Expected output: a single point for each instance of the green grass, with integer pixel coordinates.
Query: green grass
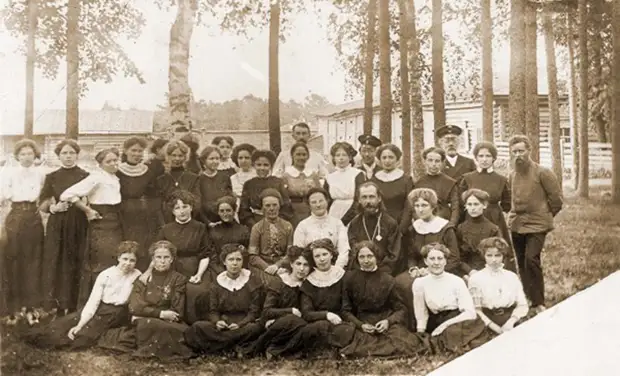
(581, 251)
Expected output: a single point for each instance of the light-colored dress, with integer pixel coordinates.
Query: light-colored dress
(342, 184)
(314, 228)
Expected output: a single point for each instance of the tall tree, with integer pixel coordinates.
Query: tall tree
(31, 56)
(405, 41)
(369, 59)
(584, 168)
(385, 73)
(573, 100)
(486, 26)
(179, 90)
(516, 100)
(596, 64)
(439, 106)
(73, 71)
(554, 108)
(615, 131)
(275, 141)
(532, 105)
(415, 72)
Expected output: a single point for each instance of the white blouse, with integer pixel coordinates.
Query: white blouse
(101, 188)
(437, 293)
(314, 228)
(342, 190)
(111, 287)
(315, 163)
(238, 180)
(233, 284)
(22, 183)
(498, 289)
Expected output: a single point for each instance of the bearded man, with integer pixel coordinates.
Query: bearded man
(456, 165)
(373, 223)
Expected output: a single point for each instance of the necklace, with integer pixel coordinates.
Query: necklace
(376, 232)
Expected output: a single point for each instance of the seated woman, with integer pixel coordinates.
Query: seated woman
(371, 303)
(225, 231)
(157, 304)
(106, 307)
(281, 312)
(234, 304)
(193, 247)
(442, 304)
(269, 238)
(497, 293)
(321, 301)
(427, 228)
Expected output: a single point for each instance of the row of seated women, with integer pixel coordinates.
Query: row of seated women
(314, 305)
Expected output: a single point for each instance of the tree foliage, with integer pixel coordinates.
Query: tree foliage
(102, 24)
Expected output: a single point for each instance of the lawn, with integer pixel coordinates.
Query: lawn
(582, 250)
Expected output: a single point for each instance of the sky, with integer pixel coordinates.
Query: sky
(222, 67)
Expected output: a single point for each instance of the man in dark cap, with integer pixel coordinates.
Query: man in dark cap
(368, 149)
(449, 139)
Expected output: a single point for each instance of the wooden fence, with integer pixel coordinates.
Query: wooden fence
(599, 155)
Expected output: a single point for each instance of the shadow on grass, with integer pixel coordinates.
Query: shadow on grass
(581, 250)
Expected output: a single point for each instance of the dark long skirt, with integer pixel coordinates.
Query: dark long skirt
(65, 242)
(301, 211)
(141, 220)
(149, 337)
(54, 335)
(22, 259)
(403, 284)
(188, 266)
(276, 340)
(396, 341)
(322, 334)
(104, 236)
(204, 337)
(456, 336)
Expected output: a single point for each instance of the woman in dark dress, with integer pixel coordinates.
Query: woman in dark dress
(213, 184)
(496, 185)
(141, 205)
(193, 143)
(194, 248)
(177, 177)
(67, 226)
(427, 228)
(105, 309)
(157, 304)
(103, 192)
(371, 303)
(281, 312)
(225, 145)
(250, 210)
(321, 301)
(270, 238)
(299, 181)
(157, 157)
(22, 255)
(443, 306)
(394, 184)
(234, 305)
(225, 231)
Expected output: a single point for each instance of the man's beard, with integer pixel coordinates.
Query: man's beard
(371, 209)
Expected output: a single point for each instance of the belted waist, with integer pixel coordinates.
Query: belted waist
(24, 205)
(499, 311)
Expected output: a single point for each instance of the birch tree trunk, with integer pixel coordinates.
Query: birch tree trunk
(554, 109)
(369, 60)
(385, 72)
(486, 26)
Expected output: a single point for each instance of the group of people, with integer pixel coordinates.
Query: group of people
(230, 249)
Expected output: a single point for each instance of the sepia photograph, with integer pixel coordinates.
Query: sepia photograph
(309, 187)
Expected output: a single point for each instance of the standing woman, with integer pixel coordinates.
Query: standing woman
(242, 157)
(103, 191)
(214, 183)
(496, 185)
(250, 210)
(225, 145)
(176, 177)
(343, 182)
(448, 204)
(141, 205)
(299, 180)
(67, 226)
(393, 183)
(193, 143)
(22, 257)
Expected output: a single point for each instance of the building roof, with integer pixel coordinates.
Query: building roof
(52, 122)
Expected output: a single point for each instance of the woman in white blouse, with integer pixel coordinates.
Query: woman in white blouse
(497, 293)
(343, 182)
(106, 307)
(321, 225)
(103, 193)
(242, 157)
(442, 304)
(22, 256)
